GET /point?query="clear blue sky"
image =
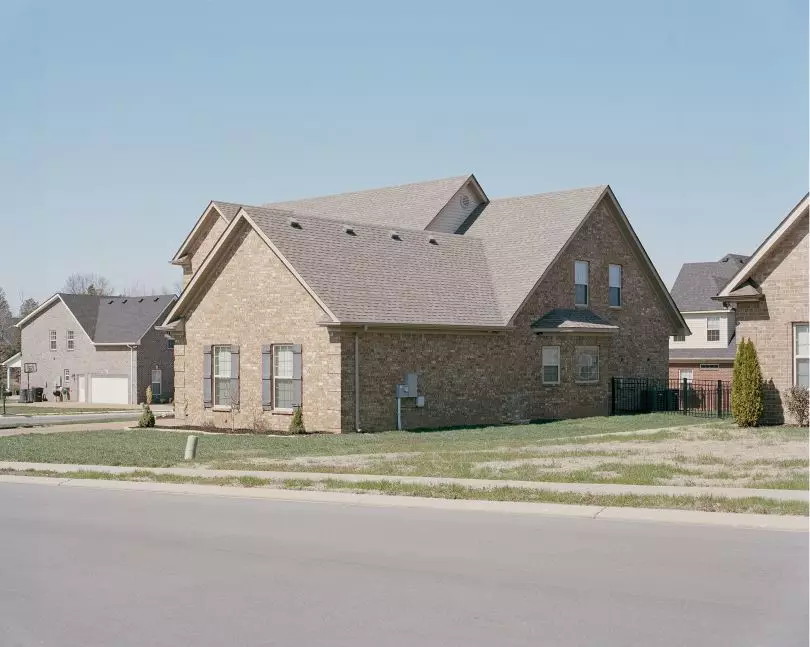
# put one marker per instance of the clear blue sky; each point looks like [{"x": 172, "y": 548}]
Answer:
[{"x": 120, "y": 121}]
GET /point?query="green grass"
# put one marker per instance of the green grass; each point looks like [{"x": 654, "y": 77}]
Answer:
[
  {"x": 156, "y": 448},
  {"x": 756, "y": 505}
]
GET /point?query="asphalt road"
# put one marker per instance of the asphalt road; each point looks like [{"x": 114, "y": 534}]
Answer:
[
  {"x": 86, "y": 567},
  {"x": 10, "y": 422}
]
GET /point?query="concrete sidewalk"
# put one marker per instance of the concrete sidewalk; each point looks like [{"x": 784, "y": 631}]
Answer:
[
  {"x": 610, "y": 513},
  {"x": 582, "y": 488}
]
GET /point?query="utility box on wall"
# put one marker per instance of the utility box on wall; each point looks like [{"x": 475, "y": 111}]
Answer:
[{"x": 409, "y": 389}]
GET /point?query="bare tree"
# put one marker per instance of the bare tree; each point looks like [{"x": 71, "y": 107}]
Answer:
[
  {"x": 88, "y": 284},
  {"x": 138, "y": 289},
  {"x": 28, "y": 306}
]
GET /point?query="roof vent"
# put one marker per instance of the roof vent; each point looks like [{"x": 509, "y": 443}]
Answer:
[
  {"x": 157, "y": 298},
  {"x": 140, "y": 300},
  {"x": 432, "y": 240},
  {"x": 110, "y": 301},
  {"x": 349, "y": 230},
  {"x": 395, "y": 235},
  {"x": 294, "y": 223},
  {"x": 123, "y": 301}
]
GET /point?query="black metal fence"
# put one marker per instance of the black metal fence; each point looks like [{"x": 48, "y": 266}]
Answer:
[{"x": 707, "y": 398}]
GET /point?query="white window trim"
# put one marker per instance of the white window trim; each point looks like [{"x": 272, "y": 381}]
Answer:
[
  {"x": 587, "y": 284},
  {"x": 577, "y": 351},
  {"x": 689, "y": 379},
  {"x": 678, "y": 339},
  {"x": 71, "y": 340},
  {"x": 796, "y": 356},
  {"x": 710, "y": 367},
  {"x": 709, "y": 328},
  {"x": 52, "y": 340},
  {"x": 66, "y": 377},
  {"x": 543, "y": 365},
  {"x": 279, "y": 378},
  {"x": 159, "y": 382},
  {"x": 620, "y": 286},
  {"x": 214, "y": 376}
]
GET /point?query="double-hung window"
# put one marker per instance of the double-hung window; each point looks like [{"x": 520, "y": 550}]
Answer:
[
  {"x": 157, "y": 381},
  {"x": 222, "y": 376},
  {"x": 52, "y": 338},
  {"x": 713, "y": 328},
  {"x": 615, "y": 282},
  {"x": 71, "y": 341},
  {"x": 551, "y": 364},
  {"x": 67, "y": 378},
  {"x": 581, "y": 283},
  {"x": 283, "y": 376},
  {"x": 586, "y": 364},
  {"x": 801, "y": 355}
]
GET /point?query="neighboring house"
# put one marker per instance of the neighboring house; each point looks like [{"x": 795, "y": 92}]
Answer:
[
  {"x": 12, "y": 367},
  {"x": 770, "y": 296},
  {"x": 708, "y": 353},
  {"x": 105, "y": 349},
  {"x": 483, "y": 311}
]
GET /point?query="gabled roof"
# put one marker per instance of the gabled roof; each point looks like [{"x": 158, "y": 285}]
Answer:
[
  {"x": 745, "y": 272},
  {"x": 522, "y": 237},
  {"x": 410, "y": 206},
  {"x": 364, "y": 273},
  {"x": 368, "y": 276},
  {"x": 697, "y": 283},
  {"x": 110, "y": 320},
  {"x": 215, "y": 209},
  {"x": 572, "y": 320}
]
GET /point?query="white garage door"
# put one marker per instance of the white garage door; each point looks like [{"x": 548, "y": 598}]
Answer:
[{"x": 109, "y": 390}]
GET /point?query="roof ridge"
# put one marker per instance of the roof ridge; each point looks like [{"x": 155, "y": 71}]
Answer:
[
  {"x": 376, "y": 188},
  {"x": 601, "y": 187}
]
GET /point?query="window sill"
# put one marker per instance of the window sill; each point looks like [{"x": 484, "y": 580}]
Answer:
[
  {"x": 282, "y": 412},
  {"x": 616, "y": 307},
  {"x": 550, "y": 383},
  {"x": 587, "y": 382},
  {"x": 581, "y": 305},
  {"x": 222, "y": 408}
]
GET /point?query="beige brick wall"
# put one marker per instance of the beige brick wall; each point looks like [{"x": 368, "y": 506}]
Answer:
[
  {"x": 782, "y": 277},
  {"x": 251, "y": 300},
  {"x": 495, "y": 377},
  {"x": 204, "y": 242}
]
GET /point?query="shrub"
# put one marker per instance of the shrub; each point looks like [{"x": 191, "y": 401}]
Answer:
[
  {"x": 796, "y": 403},
  {"x": 297, "y": 422},
  {"x": 746, "y": 386},
  {"x": 147, "y": 418}
]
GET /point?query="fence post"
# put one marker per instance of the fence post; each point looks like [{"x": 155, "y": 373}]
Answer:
[
  {"x": 719, "y": 398},
  {"x": 684, "y": 395},
  {"x": 613, "y": 396}
]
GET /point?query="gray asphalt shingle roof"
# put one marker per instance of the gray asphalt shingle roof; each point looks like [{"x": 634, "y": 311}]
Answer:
[
  {"x": 522, "y": 237},
  {"x": 727, "y": 353},
  {"x": 369, "y": 277},
  {"x": 116, "y": 320},
  {"x": 410, "y": 206},
  {"x": 572, "y": 319},
  {"x": 227, "y": 209},
  {"x": 697, "y": 283}
]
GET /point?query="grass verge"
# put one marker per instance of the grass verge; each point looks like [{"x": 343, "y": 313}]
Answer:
[{"x": 756, "y": 505}]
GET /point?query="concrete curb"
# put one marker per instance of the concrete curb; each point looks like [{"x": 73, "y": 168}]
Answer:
[
  {"x": 581, "y": 488},
  {"x": 756, "y": 521}
]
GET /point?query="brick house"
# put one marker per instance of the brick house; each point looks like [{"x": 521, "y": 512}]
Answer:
[
  {"x": 104, "y": 349},
  {"x": 770, "y": 297},
  {"x": 473, "y": 311},
  {"x": 708, "y": 353}
]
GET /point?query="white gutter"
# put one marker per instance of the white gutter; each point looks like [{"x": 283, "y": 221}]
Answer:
[{"x": 131, "y": 382}]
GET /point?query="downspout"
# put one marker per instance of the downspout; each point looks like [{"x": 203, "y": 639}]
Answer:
[
  {"x": 131, "y": 383},
  {"x": 357, "y": 382}
]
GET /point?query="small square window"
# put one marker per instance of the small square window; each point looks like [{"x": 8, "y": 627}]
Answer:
[{"x": 586, "y": 364}]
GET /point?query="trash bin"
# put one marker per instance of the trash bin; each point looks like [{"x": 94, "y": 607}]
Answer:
[
  {"x": 38, "y": 392},
  {"x": 24, "y": 395}
]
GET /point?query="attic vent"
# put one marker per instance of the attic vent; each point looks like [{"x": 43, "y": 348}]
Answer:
[
  {"x": 349, "y": 230},
  {"x": 465, "y": 201},
  {"x": 294, "y": 223},
  {"x": 395, "y": 235},
  {"x": 433, "y": 241}
]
